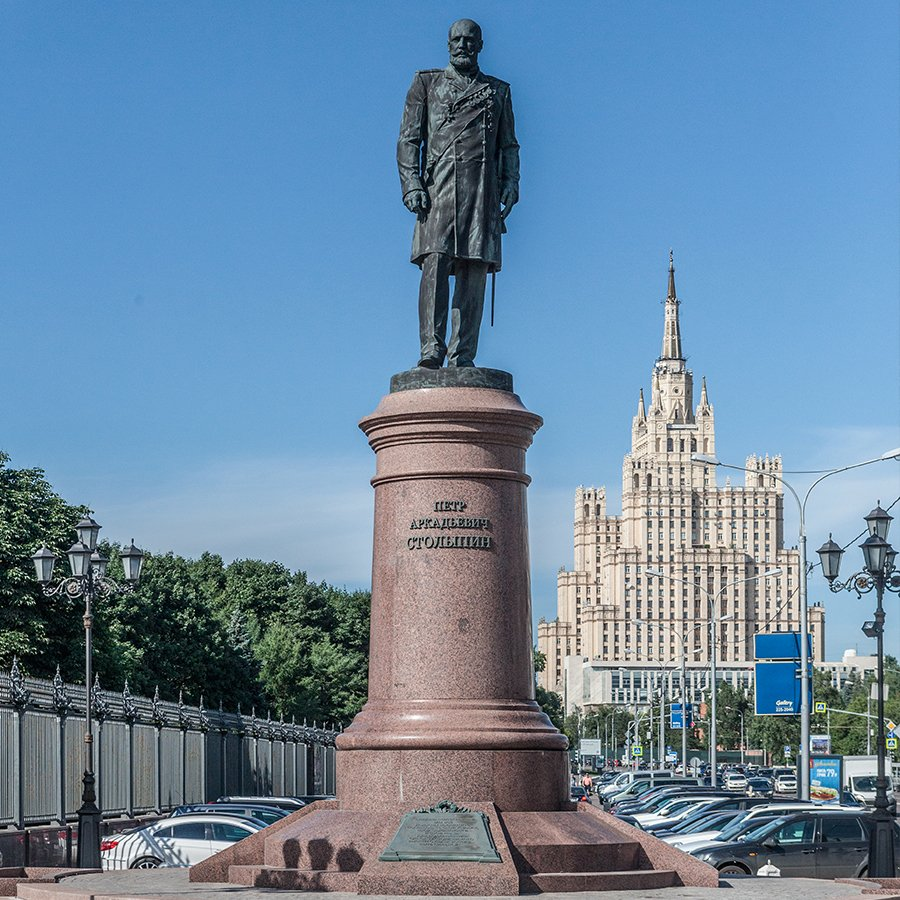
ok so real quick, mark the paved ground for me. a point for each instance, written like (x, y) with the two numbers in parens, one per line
(167, 882)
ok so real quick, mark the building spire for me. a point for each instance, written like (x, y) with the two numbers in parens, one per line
(641, 413)
(670, 295)
(704, 400)
(671, 348)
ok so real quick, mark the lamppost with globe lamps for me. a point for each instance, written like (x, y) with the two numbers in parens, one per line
(879, 574)
(88, 580)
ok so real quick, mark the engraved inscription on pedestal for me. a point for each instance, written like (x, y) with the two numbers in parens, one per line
(440, 835)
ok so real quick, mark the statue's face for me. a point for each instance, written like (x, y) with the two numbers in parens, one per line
(464, 44)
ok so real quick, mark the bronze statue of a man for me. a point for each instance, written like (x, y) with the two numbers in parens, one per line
(459, 170)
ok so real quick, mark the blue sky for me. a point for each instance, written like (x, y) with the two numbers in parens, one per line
(205, 276)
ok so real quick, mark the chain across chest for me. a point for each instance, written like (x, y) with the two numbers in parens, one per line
(460, 106)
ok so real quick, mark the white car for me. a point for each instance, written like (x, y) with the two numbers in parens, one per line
(785, 784)
(674, 810)
(735, 781)
(181, 841)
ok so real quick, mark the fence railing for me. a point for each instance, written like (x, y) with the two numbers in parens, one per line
(150, 755)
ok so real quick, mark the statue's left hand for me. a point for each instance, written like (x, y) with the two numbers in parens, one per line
(509, 197)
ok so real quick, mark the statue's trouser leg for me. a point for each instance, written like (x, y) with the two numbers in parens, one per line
(468, 304)
(434, 300)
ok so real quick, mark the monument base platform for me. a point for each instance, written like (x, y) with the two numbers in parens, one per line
(326, 847)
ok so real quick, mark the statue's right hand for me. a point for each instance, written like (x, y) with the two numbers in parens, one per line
(416, 201)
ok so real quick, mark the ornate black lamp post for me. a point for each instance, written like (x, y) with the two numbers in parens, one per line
(878, 574)
(88, 580)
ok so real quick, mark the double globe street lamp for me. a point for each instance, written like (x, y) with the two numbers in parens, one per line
(879, 574)
(88, 580)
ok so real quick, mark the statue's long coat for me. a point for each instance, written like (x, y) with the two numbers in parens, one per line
(458, 143)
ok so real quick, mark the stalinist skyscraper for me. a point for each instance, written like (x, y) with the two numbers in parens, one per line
(619, 630)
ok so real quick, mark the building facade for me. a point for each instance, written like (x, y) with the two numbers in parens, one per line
(638, 595)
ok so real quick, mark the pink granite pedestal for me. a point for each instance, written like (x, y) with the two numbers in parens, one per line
(451, 713)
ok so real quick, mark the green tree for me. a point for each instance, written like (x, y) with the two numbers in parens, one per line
(41, 631)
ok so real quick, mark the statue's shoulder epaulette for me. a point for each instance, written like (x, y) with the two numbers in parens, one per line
(428, 71)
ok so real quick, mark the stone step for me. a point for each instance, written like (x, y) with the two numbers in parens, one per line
(293, 879)
(593, 857)
(565, 882)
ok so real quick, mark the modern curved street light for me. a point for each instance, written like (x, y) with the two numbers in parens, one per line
(713, 601)
(879, 574)
(804, 571)
(88, 580)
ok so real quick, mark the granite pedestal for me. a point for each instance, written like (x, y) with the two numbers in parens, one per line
(451, 713)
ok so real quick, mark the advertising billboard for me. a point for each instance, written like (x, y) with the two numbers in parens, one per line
(825, 777)
(778, 688)
(820, 743)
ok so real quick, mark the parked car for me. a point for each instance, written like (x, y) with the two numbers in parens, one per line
(264, 814)
(812, 844)
(290, 803)
(698, 824)
(735, 831)
(735, 781)
(182, 841)
(760, 787)
(786, 784)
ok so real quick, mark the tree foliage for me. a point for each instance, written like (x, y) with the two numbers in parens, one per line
(249, 632)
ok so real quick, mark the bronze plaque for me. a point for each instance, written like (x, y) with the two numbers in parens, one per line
(435, 835)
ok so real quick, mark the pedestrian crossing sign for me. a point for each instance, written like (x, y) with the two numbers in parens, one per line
(892, 743)
(820, 707)
(637, 751)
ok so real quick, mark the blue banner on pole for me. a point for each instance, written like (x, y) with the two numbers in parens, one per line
(677, 720)
(778, 688)
(780, 645)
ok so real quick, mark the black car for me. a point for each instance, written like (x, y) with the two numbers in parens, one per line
(761, 787)
(815, 844)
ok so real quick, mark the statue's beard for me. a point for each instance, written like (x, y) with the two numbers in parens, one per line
(464, 62)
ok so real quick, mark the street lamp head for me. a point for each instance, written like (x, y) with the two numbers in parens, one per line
(879, 521)
(132, 561)
(892, 454)
(830, 555)
(654, 573)
(891, 556)
(44, 561)
(875, 550)
(99, 562)
(705, 458)
(88, 530)
(771, 573)
(79, 558)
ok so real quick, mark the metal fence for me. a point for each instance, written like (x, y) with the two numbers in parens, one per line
(149, 755)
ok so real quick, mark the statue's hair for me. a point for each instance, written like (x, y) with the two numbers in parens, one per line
(471, 22)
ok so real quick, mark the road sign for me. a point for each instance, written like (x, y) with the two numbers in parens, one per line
(892, 743)
(890, 728)
(637, 750)
(787, 749)
(778, 688)
(821, 707)
(779, 645)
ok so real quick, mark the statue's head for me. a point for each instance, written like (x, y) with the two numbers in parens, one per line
(464, 43)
